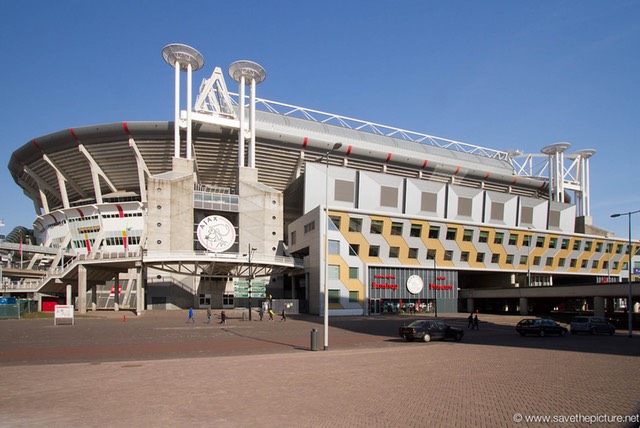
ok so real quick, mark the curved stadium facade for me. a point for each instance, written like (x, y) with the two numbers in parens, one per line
(412, 219)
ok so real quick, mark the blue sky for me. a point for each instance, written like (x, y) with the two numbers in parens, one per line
(499, 74)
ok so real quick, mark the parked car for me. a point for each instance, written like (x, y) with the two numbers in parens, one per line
(540, 327)
(592, 325)
(428, 330)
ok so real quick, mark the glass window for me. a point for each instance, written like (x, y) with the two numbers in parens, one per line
(562, 261)
(484, 236)
(334, 297)
(464, 256)
(553, 242)
(536, 261)
(513, 239)
(468, 235)
(434, 232)
(293, 238)
(480, 258)
(355, 225)
(573, 263)
(523, 259)
(509, 259)
(416, 230)
(616, 265)
(549, 261)
(609, 247)
(565, 244)
(499, 238)
(540, 242)
(353, 273)
(413, 253)
(334, 224)
(451, 233)
(619, 249)
(374, 251)
(394, 252)
(583, 264)
(354, 249)
(599, 246)
(353, 297)
(594, 265)
(334, 272)
(495, 258)
(448, 255)
(334, 246)
(526, 240)
(577, 244)
(396, 228)
(588, 245)
(376, 227)
(431, 254)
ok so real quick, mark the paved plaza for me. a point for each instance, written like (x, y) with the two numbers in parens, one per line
(117, 369)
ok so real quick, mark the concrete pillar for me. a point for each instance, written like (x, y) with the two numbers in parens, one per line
(598, 306)
(470, 306)
(82, 289)
(69, 296)
(139, 291)
(94, 297)
(116, 292)
(39, 296)
(524, 306)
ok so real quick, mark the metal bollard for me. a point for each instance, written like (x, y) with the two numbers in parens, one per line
(314, 339)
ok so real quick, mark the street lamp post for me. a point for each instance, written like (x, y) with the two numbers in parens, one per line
(529, 260)
(435, 289)
(630, 297)
(249, 253)
(336, 146)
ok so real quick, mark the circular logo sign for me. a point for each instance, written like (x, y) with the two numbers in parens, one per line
(216, 233)
(414, 284)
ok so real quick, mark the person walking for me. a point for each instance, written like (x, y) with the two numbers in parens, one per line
(209, 315)
(476, 324)
(261, 313)
(223, 317)
(270, 314)
(192, 317)
(470, 321)
(284, 315)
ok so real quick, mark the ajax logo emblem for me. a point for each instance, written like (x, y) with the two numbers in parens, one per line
(216, 233)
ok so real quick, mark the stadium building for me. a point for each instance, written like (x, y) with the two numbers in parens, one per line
(240, 200)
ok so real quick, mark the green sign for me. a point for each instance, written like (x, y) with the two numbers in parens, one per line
(258, 289)
(258, 295)
(240, 295)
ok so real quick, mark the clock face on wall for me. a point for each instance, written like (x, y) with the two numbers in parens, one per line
(216, 233)
(414, 284)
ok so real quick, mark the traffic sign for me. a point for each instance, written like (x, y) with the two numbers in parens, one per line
(258, 289)
(258, 295)
(241, 288)
(240, 295)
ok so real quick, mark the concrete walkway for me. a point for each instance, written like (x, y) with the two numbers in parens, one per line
(159, 370)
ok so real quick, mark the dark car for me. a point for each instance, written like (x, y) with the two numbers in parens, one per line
(428, 330)
(540, 327)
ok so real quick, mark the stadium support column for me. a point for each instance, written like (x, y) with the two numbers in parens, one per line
(116, 292)
(247, 72)
(524, 306)
(82, 289)
(598, 306)
(94, 297)
(139, 290)
(182, 58)
(69, 295)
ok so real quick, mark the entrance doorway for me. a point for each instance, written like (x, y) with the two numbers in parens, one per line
(374, 306)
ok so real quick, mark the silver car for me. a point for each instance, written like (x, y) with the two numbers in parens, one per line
(591, 325)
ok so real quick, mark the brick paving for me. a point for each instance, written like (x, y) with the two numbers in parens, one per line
(157, 370)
